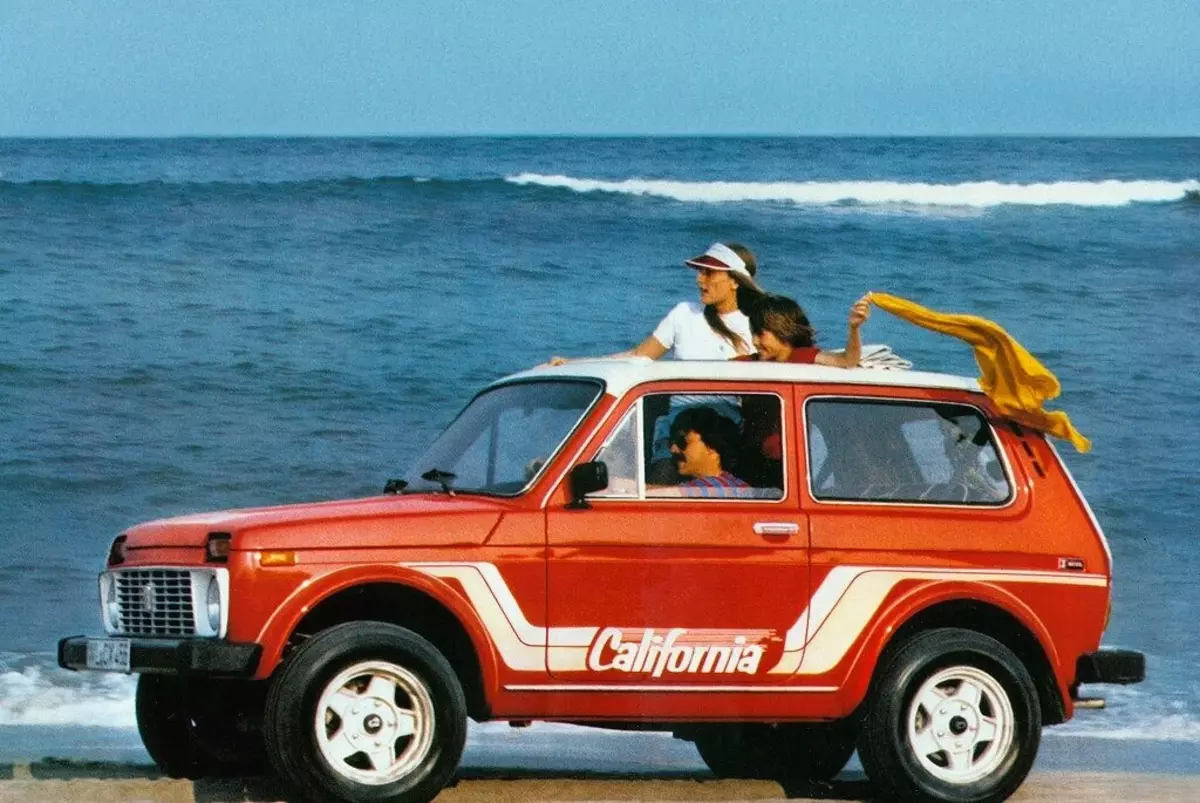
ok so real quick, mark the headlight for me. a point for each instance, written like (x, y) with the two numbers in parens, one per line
(212, 604)
(110, 607)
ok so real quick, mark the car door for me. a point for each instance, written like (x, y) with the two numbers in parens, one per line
(649, 590)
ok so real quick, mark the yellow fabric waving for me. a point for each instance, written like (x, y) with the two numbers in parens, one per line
(1011, 377)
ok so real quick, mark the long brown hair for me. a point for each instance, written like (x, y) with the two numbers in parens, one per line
(748, 294)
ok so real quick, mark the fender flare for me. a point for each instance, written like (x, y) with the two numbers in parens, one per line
(308, 596)
(861, 671)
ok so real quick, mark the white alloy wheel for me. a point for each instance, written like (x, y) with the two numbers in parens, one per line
(375, 722)
(960, 724)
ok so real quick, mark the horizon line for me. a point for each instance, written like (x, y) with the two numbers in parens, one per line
(12, 137)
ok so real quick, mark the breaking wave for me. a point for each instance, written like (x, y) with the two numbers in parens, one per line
(972, 194)
(34, 692)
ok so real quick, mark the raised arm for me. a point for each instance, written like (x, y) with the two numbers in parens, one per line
(850, 357)
(650, 347)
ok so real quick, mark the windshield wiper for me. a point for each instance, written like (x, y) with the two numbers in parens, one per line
(442, 478)
(395, 486)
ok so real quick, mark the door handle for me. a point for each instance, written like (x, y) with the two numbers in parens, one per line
(776, 527)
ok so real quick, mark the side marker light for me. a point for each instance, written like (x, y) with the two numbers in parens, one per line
(277, 559)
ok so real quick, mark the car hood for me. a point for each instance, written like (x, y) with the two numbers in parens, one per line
(386, 521)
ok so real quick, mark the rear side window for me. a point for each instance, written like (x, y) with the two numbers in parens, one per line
(876, 451)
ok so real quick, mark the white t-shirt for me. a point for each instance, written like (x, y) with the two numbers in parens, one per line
(685, 331)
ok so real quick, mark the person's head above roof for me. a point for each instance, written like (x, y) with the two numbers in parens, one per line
(735, 259)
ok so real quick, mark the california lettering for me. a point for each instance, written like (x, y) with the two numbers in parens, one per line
(655, 653)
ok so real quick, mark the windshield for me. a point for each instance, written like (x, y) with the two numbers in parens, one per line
(499, 444)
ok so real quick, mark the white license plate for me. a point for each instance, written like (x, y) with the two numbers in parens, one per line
(109, 654)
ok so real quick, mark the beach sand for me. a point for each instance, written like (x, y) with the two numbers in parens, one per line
(55, 784)
(558, 763)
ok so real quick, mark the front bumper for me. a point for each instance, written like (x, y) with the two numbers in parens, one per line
(1111, 666)
(173, 656)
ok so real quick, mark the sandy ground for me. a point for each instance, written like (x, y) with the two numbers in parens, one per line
(542, 764)
(34, 784)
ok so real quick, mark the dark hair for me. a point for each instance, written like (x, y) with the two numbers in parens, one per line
(747, 296)
(718, 432)
(784, 318)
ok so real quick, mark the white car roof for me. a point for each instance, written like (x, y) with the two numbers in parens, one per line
(619, 375)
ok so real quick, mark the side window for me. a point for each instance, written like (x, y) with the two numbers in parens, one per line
(718, 446)
(876, 451)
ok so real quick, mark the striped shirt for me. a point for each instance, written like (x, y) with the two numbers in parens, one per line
(719, 485)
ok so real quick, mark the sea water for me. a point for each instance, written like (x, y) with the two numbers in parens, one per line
(199, 324)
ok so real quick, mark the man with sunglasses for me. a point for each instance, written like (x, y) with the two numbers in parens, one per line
(704, 444)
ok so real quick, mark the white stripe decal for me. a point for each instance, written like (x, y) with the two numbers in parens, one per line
(697, 688)
(849, 597)
(522, 646)
(838, 612)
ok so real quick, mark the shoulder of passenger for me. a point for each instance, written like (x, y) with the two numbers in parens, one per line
(687, 308)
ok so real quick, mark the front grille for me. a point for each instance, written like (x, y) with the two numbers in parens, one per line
(155, 602)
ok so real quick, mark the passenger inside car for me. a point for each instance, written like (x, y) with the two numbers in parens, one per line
(704, 446)
(635, 472)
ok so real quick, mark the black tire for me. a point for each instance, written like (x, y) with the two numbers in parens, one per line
(785, 752)
(816, 752)
(947, 667)
(198, 727)
(729, 751)
(349, 657)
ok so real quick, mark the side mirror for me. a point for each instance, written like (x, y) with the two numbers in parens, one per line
(586, 478)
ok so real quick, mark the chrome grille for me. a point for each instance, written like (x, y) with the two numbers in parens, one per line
(155, 602)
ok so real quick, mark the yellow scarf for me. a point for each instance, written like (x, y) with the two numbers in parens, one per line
(1012, 377)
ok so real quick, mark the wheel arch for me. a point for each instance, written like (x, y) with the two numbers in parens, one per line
(992, 612)
(402, 597)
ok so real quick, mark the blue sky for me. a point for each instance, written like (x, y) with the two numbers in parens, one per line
(274, 67)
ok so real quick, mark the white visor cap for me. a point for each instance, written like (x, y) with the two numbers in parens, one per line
(721, 257)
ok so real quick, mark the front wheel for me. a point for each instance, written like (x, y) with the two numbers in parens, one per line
(366, 711)
(954, 717)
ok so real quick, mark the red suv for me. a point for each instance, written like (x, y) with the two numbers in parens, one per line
(779, 562)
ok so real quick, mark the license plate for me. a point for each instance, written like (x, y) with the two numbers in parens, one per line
(108, 654)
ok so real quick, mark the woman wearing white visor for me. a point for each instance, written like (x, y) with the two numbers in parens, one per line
(713, 328)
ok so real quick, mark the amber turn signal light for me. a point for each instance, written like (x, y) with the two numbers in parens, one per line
(277, 559)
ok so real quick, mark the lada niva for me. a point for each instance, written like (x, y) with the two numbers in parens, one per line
(781, 563)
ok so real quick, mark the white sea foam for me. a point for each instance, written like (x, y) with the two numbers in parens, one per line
(973, 194)
(33, 695)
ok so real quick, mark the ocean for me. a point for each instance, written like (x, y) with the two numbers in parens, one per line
(196, 324)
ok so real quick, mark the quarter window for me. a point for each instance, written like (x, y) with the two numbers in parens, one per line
(876, 451)
(620, 454)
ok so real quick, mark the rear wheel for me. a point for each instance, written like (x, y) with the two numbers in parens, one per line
(953, 717)
(366, 711)
(200, 727)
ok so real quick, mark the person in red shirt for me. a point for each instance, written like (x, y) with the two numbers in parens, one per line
(782, 333)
